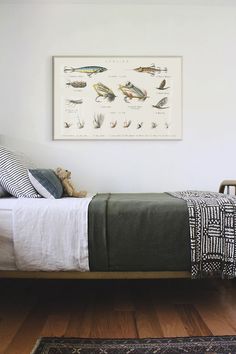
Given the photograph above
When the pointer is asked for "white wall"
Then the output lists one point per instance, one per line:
(31, 32)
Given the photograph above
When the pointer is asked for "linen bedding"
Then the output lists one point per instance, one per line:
(50, 234)
(126, 232)
(131, 232)
(7, 258)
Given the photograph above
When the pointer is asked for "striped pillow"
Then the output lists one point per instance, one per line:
(14, 175)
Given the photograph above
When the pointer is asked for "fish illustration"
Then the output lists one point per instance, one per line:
(152, 69)
(98, 120)
(160, 104)
(130, 91)
(76, 84)
(162, 85)
(127, 123)
(89, 70)
(104, 91)
(74, 102)
(113, 124)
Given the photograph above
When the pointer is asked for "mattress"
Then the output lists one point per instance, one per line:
(7, 261)
(137, 236)
(126, 232)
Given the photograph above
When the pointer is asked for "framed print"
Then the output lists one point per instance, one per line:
(117, 97)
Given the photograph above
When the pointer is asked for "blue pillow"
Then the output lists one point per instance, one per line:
(46, 183)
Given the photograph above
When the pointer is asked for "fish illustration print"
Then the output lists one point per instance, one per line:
(152, 69)
(74, 102)
(161, 104)
(76, 84)
(89, 70)
(104, 91)
(130, 91)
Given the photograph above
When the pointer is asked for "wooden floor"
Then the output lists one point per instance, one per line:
(113, 309)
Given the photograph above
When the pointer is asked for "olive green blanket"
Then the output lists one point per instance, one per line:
(138, 232)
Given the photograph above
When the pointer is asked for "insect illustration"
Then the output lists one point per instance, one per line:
(89, 70)
(154, 125)
(98, 120)
(76, 84)
(130, 91)
(80, 124)
(67, 125)
(127, 123)
(104, 91)
(162, 85)
(161, 104)
(152, 69)
(167, 125)
(74, 102)
(139, 126)
(113, 124)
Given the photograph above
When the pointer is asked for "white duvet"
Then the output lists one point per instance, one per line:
(51, 234)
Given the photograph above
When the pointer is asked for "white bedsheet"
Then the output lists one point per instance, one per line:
(7, 258)
(51, 235)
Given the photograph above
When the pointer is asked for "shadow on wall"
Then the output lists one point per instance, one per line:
(40, 154)
(46, 156)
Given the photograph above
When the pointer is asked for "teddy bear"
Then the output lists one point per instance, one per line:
(69, 189)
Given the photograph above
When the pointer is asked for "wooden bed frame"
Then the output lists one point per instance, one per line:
(93, 275)
(14, 274)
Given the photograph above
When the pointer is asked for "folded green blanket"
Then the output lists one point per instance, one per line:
(138, 232)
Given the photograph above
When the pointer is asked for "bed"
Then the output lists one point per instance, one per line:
(129, 236)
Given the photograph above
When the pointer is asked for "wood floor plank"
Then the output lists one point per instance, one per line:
(193, 323)
(113, 324)
(80, 321)
(26, 336)
(55, 325)
(123, 300)
(217, 319)
(147, 322)
(113, 309)
(109, 323)
(170, 320)
(12, 315)
(58, 318)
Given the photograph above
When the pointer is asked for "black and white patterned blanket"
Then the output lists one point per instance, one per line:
(212, 221)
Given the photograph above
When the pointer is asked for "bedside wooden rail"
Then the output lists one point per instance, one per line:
(93, 275)
(227, 183)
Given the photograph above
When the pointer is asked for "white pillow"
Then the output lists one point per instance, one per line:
(14, 175)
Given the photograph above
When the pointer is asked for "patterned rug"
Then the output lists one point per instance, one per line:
(209, 345)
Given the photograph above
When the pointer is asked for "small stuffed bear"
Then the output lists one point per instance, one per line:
(69, 189)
